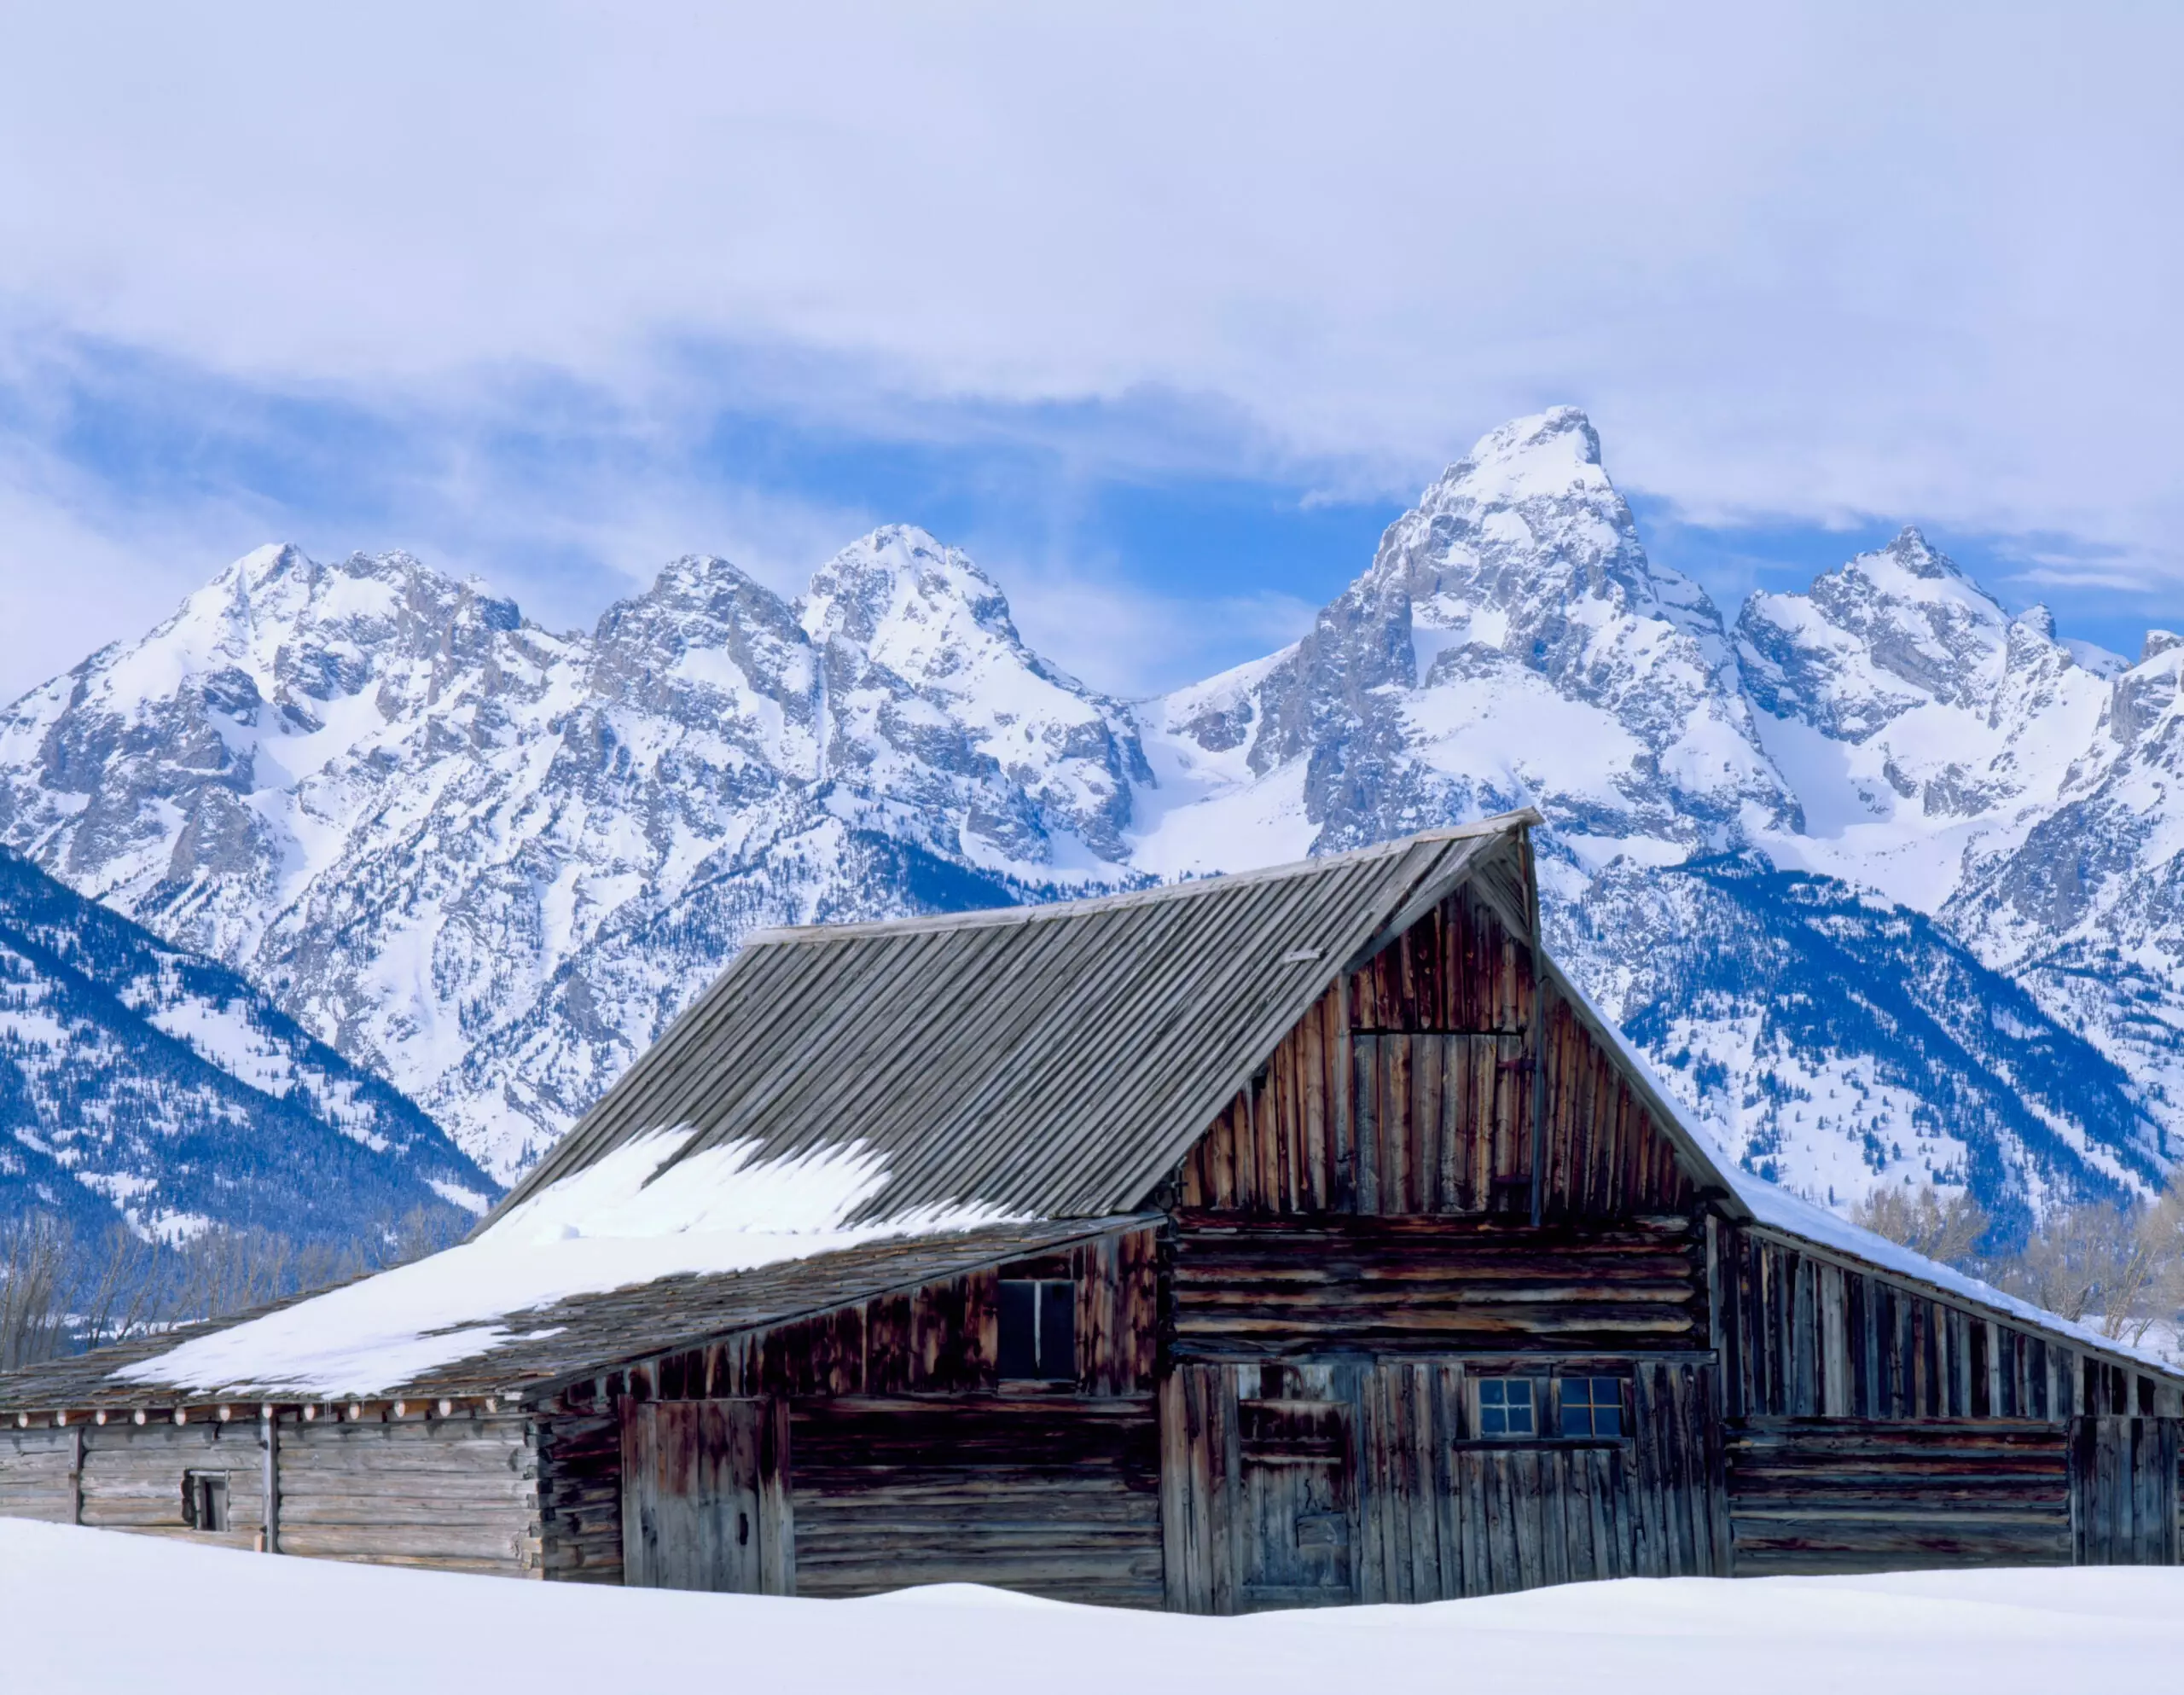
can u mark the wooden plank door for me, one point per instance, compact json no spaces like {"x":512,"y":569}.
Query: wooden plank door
{"x":2123,"y":1490}
{"x":1298,"y":1504}
{"x":705,"y":1498}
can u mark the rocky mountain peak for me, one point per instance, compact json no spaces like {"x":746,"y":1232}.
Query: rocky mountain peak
{"x":2157,"y":643}
{"x":900,"y":585}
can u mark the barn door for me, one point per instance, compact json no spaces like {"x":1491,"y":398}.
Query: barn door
{"x":2123,"y":1488}
{"x":704,"y":1501}
{"x":1297,"y":1503}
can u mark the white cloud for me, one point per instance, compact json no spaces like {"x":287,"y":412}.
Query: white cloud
{"x":1813,"y":260}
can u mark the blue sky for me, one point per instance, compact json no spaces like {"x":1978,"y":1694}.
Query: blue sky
{"x":1162,"y":313}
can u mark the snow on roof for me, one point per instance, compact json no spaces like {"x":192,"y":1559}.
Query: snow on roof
{"x":608,"y":1226}
{"x":1777,"y":1208}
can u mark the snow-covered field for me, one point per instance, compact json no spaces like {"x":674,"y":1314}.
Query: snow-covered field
{"x":98,"y":1611}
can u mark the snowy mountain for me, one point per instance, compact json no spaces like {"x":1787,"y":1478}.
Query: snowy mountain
{"x":491,"y":862}
{"x":140,"y":1082}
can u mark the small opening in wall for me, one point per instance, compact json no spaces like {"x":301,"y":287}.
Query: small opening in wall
{"x":205,"y":1499}
{"x":1038,"y":1329}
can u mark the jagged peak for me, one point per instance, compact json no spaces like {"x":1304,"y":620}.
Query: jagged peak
{"x":1547,"y":453}
{"x":2157,"y":643}
{"x":878,"y":577}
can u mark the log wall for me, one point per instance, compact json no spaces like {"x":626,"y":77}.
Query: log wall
{"x":580,"y":1496}
{"x":1055,"y":1496}
{"x":1864,"y":1495}
{"x":1407,"y":1089}
{"x":458,"y":1494}
{"x":37,"y":1477}
{"x":1251,"y":1288}
{"x":133,"y":1478}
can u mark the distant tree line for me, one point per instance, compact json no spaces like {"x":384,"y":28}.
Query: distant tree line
{"x":2118,"y":1269}
{"x":61,"y":1292}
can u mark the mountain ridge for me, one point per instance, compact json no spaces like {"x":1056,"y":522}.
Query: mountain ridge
{"x":493,"y":861}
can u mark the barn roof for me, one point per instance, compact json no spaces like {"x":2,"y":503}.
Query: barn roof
{"x":1055,"y":1060}
{"x":942,"y":1075}
{"x":574,"y":1338}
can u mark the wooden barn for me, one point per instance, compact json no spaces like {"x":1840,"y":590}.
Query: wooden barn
{"x":1291,"y":1238}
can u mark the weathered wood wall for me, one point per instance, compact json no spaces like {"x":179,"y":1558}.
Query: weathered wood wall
{"x":1806,"y":1335}
{"x":2127,"y":1497}
{"x":1867,"y":1494}
{"x":133,"y":1477}
{"x":580,"y":1495}
{"x":1407,"y":1089}
{"x":1246,"y":1288}
{"x":459,"y":1494}
{"x":942,"y":1337}
{"x":37,"y":1475}
{"x":1324,"y":1483}
{"x":1046,"y":1489}
{"x":1053,"y":1494}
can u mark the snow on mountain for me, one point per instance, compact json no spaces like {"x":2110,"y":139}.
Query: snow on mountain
{"x":1921,"y":727}
{"x":1511,"y":643}
{"x":142,"y":1081}
{"x":492,"y":863}
{"x":489,"y":861}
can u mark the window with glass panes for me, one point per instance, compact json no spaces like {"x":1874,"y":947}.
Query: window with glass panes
{"x":1505,"y":1406}
{"x":1591,"y":1406}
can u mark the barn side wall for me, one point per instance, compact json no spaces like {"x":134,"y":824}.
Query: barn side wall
{"x":458,"y":1494}
{"x":1872,"y":1425}
{"x":908,"y":1453}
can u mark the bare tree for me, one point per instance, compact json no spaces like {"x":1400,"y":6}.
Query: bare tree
{"x":2112,"y":1268}
{"x":1948,"y":1229}
{"x":34,"y":1261}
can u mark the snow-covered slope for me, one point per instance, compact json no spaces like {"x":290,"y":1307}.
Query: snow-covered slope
{"x":140,"y":1081}
{"x":1511,"y":643}
{"x":492,"y":862}
{"x":337,"y":1628}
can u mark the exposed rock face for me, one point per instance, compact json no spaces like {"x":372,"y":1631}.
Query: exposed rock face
{"x":490,"y":861}
{"x":494,"y":862}
{"x":1511,"y":640}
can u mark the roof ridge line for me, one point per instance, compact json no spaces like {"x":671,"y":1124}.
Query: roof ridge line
{"x":1049,"y":911}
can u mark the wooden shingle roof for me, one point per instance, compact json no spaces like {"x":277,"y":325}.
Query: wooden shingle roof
{"x":579,"y":1335}
{"x":1053,"y":1061}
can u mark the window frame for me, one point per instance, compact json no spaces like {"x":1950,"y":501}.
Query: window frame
{"x":1593,"y":1405}
{"x":1040,"y":1288}
{"x":206,"y":1496}
{"x":1480,"y":1407}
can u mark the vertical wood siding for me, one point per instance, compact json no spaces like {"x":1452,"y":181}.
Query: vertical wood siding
{"x":2125,"y":1491}
{"x":1407,"y":1089}
{"x":1803,"y":1336}
{"x":942,"y":1337}
{"x":1433,"y":1511}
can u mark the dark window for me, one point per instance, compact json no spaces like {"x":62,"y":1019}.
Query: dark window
{"x":205,"y":1499}
{"x":1038,"y":1329}
{"x":1505,"y":1406}
{"x":1592,"y":1406}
